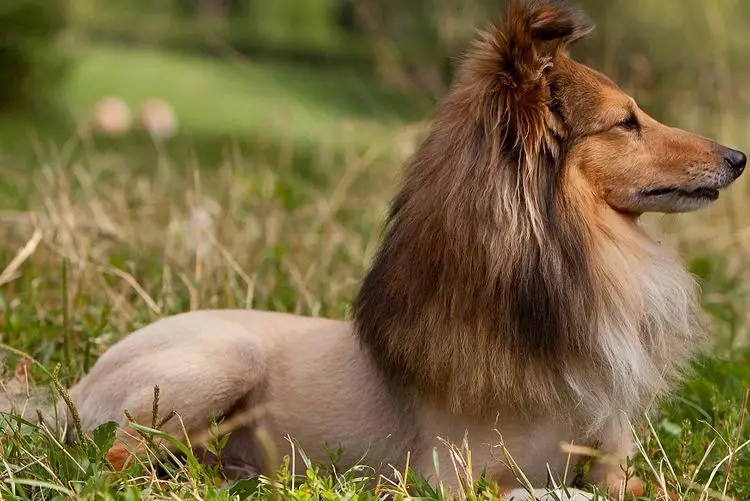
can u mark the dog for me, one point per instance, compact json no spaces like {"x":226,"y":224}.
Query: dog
{"x":515,"y":301}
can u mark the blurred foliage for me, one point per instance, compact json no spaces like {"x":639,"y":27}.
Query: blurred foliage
{"x":668,"y":53}
{"x":31,"y":62}
{"x":299,"y":29}
{"x":310,"y":21}
{"x":682,"y":59}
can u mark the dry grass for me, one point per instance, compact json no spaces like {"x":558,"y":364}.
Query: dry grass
{"x":145,"y":241}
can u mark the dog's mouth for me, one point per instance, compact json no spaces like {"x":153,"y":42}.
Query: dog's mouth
{"x":702,"y":193}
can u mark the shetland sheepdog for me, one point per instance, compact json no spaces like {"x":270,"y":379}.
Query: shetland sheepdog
{"x":515,"y":300}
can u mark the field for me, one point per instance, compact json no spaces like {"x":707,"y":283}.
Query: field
{"x":272,"y":197}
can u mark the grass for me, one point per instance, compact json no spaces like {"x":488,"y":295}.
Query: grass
{"x":112,"y":237}
{"x":244,"y":97}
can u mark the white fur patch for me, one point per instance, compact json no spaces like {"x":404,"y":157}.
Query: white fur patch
{"x":648,"y":327}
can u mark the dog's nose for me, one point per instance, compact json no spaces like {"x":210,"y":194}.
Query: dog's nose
{"x":735,"y":160}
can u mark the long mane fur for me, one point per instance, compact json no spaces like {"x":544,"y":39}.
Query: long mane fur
{"x":498,"y":285}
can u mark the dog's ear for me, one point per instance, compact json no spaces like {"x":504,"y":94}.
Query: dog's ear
{"x":508,"y":68}
{"x":545,"y":21}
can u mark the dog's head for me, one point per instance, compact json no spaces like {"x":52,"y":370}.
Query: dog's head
{"x":547,"y":103}
{"x":633,"y":162}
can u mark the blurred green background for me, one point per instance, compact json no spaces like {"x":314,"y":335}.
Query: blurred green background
{"x":235,"y":67}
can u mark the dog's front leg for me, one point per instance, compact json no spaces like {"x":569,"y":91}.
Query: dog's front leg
{"x":611,"y":472}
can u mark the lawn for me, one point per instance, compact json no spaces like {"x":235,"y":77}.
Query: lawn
{"x":237,"y":97}
{"x":110,"y":235}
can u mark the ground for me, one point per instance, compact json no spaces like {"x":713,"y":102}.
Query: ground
{"x":272,"y":197}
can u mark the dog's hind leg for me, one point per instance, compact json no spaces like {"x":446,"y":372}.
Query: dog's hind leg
{"x":194,"y":411}
{"x":190,"y":410}
{"x":205,"y":373}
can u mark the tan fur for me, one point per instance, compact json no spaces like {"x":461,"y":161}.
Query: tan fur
{"x":515,"y":298}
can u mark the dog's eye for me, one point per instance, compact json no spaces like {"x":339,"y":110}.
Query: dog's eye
{"x":630,"y":123}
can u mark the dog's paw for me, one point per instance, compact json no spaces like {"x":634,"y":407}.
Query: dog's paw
{"x":634,"y":487}
{"x":119,"y":456}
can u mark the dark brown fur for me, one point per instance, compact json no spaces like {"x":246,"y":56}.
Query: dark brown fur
{"x":440,"y":309}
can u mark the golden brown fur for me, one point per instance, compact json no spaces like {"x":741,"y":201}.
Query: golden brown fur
{"x":515,"y":291}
